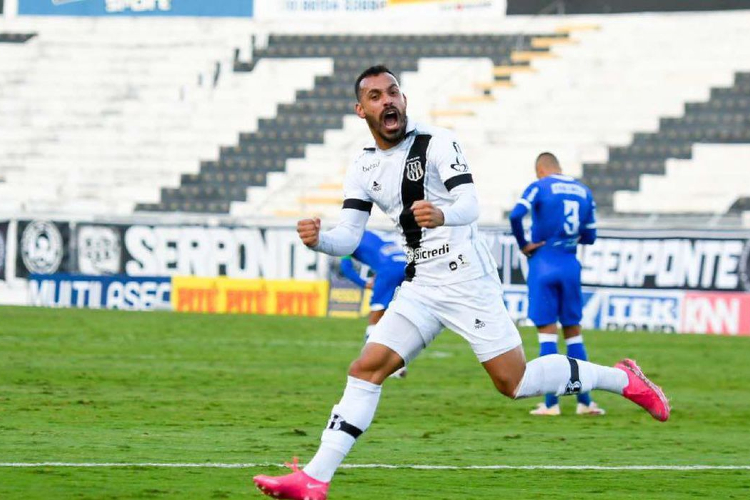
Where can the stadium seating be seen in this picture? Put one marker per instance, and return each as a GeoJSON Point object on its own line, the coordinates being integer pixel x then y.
{"type": "Point", "coordinates": [575, 100]}
{"type": "Point", "coordinates": [710, 183]}
{"type": "Point", "coordinates": [304, 122]}
{"type": "Point", "coordinates": [97, 115]}
{"type": "Point", "coordinates": [95, 123]}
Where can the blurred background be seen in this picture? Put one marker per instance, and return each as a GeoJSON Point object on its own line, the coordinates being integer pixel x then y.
{"type": "Point", "coordinates": [156, 154]}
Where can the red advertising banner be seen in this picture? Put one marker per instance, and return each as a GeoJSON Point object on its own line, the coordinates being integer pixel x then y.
{"type": "Point", "coordinates": [716, 313]}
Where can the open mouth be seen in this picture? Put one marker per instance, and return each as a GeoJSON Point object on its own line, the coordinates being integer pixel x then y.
{"type": "Point", "coordinates": [391, 119]}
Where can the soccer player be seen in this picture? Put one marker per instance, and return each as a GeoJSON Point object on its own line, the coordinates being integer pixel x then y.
{"type": "Point", "coordinates": [387, 261]}
{"type": "Point", "coordinates": [418, 176]}
{"type": "Point", "coordinates": [563, 214]}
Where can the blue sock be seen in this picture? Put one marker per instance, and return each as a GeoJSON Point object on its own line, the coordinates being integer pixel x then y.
{"type": "Point", "coordinates": [577, 350]}
{"type": "Point", "coordinates": [548, 345]}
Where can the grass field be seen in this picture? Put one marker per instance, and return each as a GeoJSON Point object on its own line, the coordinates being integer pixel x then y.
{"type": "Point", "coordinates": [112, 387]}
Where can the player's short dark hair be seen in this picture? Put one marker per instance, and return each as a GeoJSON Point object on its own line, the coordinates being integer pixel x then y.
{"type": "Point", "coordinates": [548, 158]}
{"type": "Point", "coordinates": [371, 71]}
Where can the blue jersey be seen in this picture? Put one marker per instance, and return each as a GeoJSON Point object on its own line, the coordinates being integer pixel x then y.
{"type": "Point", "coordinates": [381, 256]}
{"type": "Point", "coordinates": [563, 214]}
{"type": "Point", "coordinates": [386, 260]}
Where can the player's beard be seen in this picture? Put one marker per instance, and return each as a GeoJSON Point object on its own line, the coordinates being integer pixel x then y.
{"type": "Point", "coordinates": [390, 136]}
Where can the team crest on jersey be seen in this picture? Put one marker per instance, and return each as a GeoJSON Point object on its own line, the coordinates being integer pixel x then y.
{"type": "Point", "coordinates": [414, 169]}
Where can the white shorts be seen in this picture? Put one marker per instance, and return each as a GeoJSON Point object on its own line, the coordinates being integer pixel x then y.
{"type": "Point", "coordinates": [473, 309]}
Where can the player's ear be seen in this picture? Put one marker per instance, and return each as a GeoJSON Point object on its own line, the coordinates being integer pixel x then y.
{"type": "Point", "coordinates": [359, 110]}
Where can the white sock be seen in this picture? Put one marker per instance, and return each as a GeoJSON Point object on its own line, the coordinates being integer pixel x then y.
{"type": "Point", "coordinates": [552, 374]}
{"type": "Point", "coordinates": [578, 339]}
{"type": "Point", "coordinates": [357, 408]}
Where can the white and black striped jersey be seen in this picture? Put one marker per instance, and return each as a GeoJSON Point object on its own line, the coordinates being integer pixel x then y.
{"type": "Point", "coordinates": [428, 164]}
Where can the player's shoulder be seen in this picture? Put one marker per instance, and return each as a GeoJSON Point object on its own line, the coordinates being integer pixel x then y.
{"type": "Point", "coordinates": [435, 132]}
{"type": "Point", "coordinates": [365, 160]}
{"type": "Point", "coordinates": [535, 186]}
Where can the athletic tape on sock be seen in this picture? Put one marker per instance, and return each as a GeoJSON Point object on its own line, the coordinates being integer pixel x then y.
{"type": "Point", "coordinates": [337, 423]}
{"type": "Point", "coordinates": [574, 384]}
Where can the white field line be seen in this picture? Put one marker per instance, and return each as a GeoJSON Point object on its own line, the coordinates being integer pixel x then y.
{"type": "Point", "coordinates": [209, 465]}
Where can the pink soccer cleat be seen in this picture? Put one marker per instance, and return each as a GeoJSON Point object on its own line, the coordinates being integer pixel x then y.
{"type": "Point", "coordinates": [294, 486]}
{"type": "Point", "coordinates": [641, 391]}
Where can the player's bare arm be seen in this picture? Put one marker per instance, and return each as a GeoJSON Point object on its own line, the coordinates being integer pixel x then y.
{"type": "Point", "coordinates": [529, 249]}
{"type": "Point", "coordinates": [427, 215]}
{"type": "Point", "coordinates": [309, 231]}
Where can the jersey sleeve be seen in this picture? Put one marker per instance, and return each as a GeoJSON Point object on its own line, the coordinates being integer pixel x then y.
{"type": "Point", "coordinates": [344, 238]}
{"type": "Point", "coordinates": [450, 161]}
{"type": "Point", "coordinates": [523, 206]}
{"type": "Point", "coordinates": [588, 224]}
{"type": "Point", "coordinates": [530, 196]}
{"type": "Point", "coordinates": [355, 196]}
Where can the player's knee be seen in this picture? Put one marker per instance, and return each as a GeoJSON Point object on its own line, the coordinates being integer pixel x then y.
{"type": "Point", "coordinates": [505, 386]}
{"type": "Point", "coordinates": [369, 369]}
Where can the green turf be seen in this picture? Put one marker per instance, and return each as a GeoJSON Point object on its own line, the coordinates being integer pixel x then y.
{"type": "Point", "coordinates": [101, 386]}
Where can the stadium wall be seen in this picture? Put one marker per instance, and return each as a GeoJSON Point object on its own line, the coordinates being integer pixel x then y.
{"type": "Point", "coordinates": [531, 7]}
{"type": "Point", "coordinates": [665, 281]}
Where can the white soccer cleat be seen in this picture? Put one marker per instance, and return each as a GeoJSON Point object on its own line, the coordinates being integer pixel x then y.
{"type": "Point", "coordinates": [542, 410]}
{"type": "Point", "coordinates": [400, 373]}
{"type": "Point", "coordinates": [591, 409]}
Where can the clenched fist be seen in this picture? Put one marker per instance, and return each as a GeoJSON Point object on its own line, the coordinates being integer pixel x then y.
{"type": "Point", "coordinates": [309, 230]}
{"type": "Point", "coordinates": [427, 215]}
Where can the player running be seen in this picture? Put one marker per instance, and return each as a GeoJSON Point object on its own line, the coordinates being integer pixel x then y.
{"type": "Point", "coordinates": [418, 176]}
{"type": "Point", "coordinates": [387, 262]}
{"type": "Point", "coordinates": [563, 214]}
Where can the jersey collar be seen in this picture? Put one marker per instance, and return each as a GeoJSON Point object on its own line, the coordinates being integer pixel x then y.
{"type": "Point", "coordinates": [562, 177]}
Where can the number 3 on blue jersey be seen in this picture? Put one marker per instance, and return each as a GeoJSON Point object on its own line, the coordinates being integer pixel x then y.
{"type": "Point", "coordinates": [572, 211]}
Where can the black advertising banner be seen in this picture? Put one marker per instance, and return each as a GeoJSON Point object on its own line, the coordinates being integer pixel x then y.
{"type": "Point", "coordinates": [650, 260]}
{"type": "Point", "coordinates": [3, 243]}
{"type": "Point", "coordinates": [236, 252]}
{"type": "Point", "coordinates": [192, 250]}
{"type": "Point", "coordinates": [43, 248]}
{"type": "Point", "coordinates": [669, 260]}
{"type": "Point", "coordinates": [659, 259]}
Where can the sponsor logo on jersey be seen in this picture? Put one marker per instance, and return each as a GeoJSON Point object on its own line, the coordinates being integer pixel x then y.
{"type": "Point", "coordinates": [569, 188]}
{"type": "Point", "coordinates": [376, 186]}
{"type": "Point", "coordinates": [414, 169]}
{"type": "Point", "coordinates": [418, 255]}
{"type": "Point", "coordinates": [478, 323]}
{"type": "Point", "coordinates": [371, 166]}
{"type": "Point", "coordinates": [41, 247]}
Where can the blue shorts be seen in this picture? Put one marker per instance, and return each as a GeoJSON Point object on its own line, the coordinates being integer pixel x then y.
{"type": "Point", "coordinates": [387, 279]}
{"type": "Point", "coordinates": [555, 289]}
